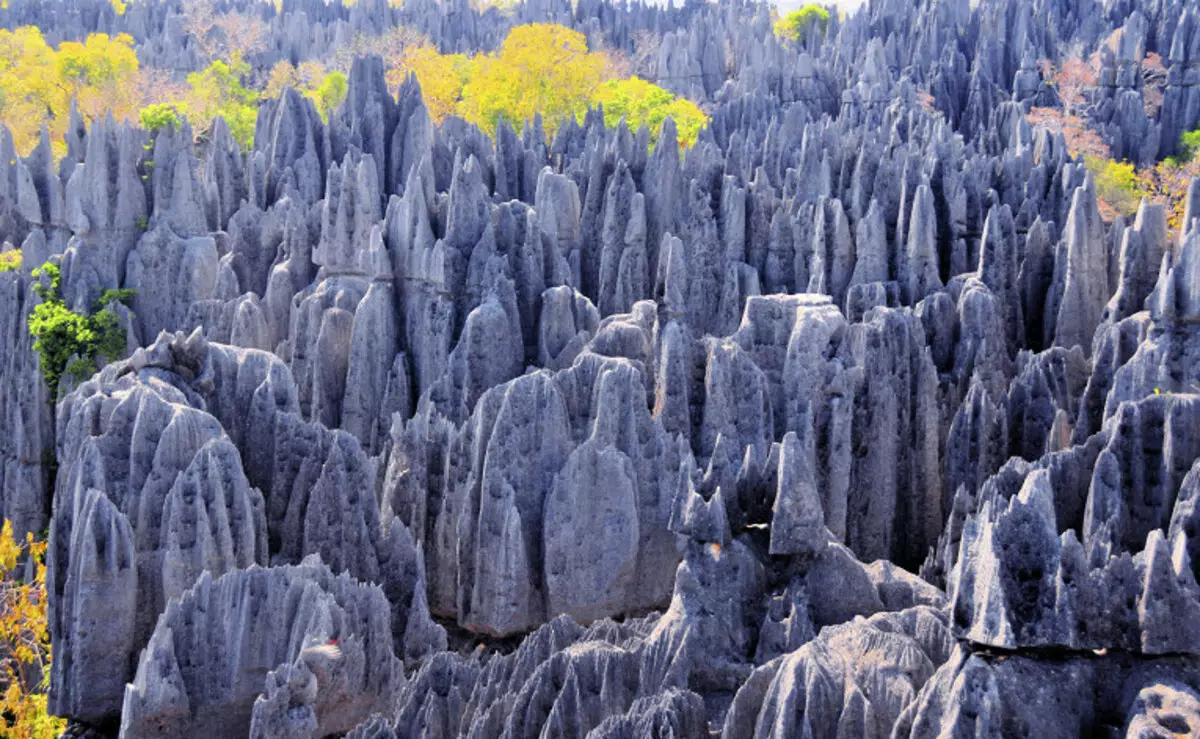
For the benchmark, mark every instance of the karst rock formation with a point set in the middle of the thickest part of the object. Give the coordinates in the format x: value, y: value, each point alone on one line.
x: 854, y: 419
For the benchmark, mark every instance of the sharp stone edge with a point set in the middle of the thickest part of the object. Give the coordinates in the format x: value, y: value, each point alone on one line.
x: 581, y: 437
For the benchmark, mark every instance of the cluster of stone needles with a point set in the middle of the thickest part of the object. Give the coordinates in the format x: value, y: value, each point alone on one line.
x: 856, y: 418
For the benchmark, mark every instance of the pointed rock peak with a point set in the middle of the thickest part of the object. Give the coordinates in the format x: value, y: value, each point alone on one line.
x: 377, y: 261
x: 366, y: 83
x: 668, y: 141
x: 706, y: 521
x: 1037, y: 493
x: 798, y: 524
x: 1191, y: 211
x: 1187, y: 277
x: 674, y: 276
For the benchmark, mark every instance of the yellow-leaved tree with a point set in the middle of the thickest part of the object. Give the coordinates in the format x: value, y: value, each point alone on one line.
x: 100, y: 73
x: 442, y: 77
x: 642, y: 103
x: 24, y: 641
x: 795, y: 25
x: 30, y: 93
x: 37, y: 82
x: 541, y: 68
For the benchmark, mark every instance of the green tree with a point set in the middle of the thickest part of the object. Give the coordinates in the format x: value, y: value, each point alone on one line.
x: 327, y: 89
x: 329, y: 94
x: 795, y: 24
x: 220, y: 90
x: 1189, y: 146
x: 160, y: 115
x: 69, y: 342
x: 642, y: 103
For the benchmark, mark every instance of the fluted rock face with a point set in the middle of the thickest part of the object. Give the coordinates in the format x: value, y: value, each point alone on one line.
x: 24, y: 408
x: 986, y: 696
x: 1032, y: 572
x: 205, y: 662
x: 151, y: 494
x: 581, y: 477
x: 672, y: 713
x: 820, y: 688
x: 870, y: 315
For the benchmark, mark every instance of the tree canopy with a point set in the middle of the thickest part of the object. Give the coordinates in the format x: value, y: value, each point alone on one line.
x: 796, y: 24
x: 540, y: 69
x: 37, y: 82
x: 642, y: 103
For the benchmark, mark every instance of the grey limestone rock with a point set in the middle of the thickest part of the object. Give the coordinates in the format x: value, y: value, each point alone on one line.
x: 797, y: 523
x: 1163, y: 709
x: 213, y: 647
x: 868, y: 314
x: 981, y: 695
x: 1085, y: 287
x: 820, y: 688
x: 151, y: 495
x: 671, y: 714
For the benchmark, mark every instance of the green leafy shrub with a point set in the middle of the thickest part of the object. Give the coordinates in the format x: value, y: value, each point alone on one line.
x: 10, y: 261
x: 1189, y: 146
x: 159, y: 115
x: 61, y: 334
x: 795, y: 24
x: 326, y: 89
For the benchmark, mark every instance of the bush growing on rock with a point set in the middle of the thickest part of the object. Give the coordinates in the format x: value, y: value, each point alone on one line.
x: 326, y: 88
x: 1189, y: 146
x: 220, y: 90
x: 69, y: 342
x: 10, y: 260
x: 1117, y: 184
x: 160, y: 115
